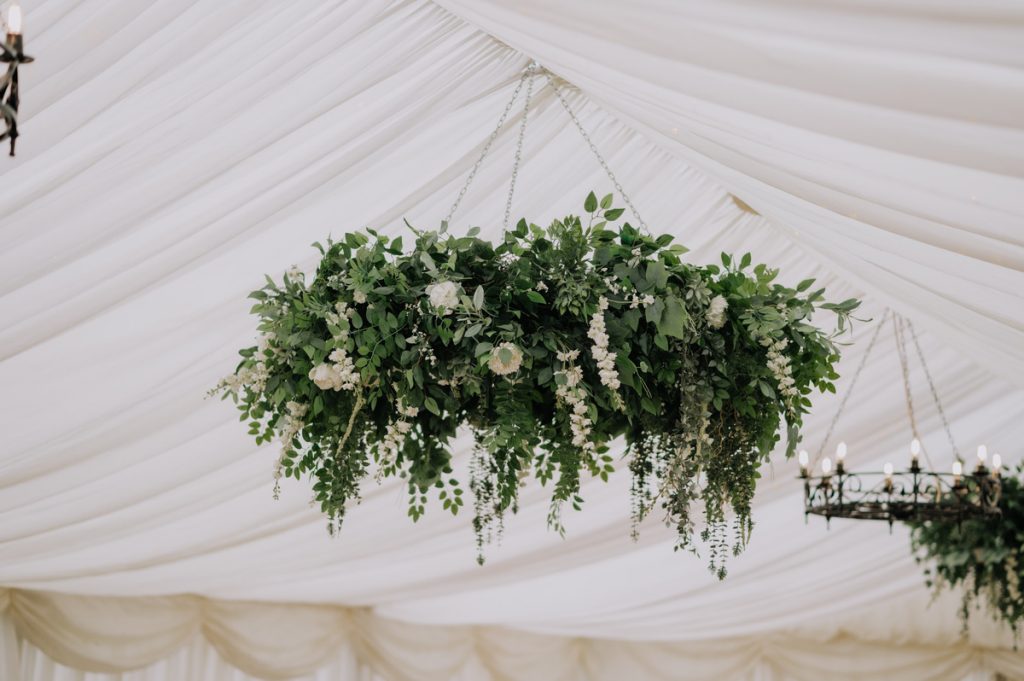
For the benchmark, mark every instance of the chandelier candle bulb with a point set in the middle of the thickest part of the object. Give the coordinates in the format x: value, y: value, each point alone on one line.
x: 840, y: 457
x: 997, y: 463
x: 826, y: 466
x: 14, y: 20
x: 958, y: 469
x: 804, y: 460
x: 982, y: 455
x: 915, y: 450
x: 888, y: 476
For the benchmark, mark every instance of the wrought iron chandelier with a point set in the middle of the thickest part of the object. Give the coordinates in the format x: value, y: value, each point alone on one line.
x: 915, y: 494
x: 13, y: 54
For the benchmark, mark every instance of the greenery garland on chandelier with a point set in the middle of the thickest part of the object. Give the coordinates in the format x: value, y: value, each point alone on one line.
x: 546, y: 346
x: 984, y: 555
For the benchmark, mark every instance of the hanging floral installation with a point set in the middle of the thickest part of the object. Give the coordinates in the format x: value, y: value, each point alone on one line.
x: 546, y: 347
x: 983, y: 556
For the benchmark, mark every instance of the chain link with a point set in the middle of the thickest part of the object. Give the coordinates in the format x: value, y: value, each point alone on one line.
x: 597, y: 154
x: 935, y: 394
x: 527, y: 74
x: 901, y: 351
x: 530, y: 70
x: 849, y: 391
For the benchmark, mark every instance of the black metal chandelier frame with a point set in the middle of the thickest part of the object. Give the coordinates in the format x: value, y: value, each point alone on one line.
x: 12, y: 53
x: 912, y: 495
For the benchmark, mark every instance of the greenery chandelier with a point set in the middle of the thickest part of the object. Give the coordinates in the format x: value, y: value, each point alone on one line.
x: 545, y: 347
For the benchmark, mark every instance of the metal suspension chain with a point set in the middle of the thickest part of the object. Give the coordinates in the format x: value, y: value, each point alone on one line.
x: 849, y: 391
x: 527, y: 74
x: 935, y: 393
x: 597, y: 154
x: 901, y: 348
x: 530, y: 70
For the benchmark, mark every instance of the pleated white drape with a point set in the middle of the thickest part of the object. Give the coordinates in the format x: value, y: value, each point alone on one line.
x: 175, y: 151
x: 167, y: 636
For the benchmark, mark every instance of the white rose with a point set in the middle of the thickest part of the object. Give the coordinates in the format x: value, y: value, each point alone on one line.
x: 716, y: 312
x: 324, y: 376
x: 505, y: 359
x: 444, y: 295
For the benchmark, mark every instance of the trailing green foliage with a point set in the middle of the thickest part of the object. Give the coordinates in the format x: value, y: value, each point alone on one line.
x: 546, y: 346
x: 984, y: 556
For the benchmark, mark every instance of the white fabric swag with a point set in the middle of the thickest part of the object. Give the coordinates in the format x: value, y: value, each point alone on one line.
x: 286, y: 641
x: 174, y: 152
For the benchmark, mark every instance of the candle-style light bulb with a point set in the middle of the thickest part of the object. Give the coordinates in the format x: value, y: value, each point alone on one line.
x: 982, y: 455
x: 804, y: 458
x: 997, y: 463
x: 14, y: 19
x: 958, y: 468
x: 888, y: 470
x: 915, y: 449
x: 826, y: 465
x: 841, y: 452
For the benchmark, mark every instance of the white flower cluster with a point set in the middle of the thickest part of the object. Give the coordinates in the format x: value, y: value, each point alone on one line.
x: 444, y: 296
x: 505, y: 359
x: 291, y: 424
x: 341, y: 311
x: 294, y: 275
x: 645, y: 300
x: 574, y: 397
x: 612, y: 284
x: 779, y: 365
x: 359, y: 296
x: 1012, y: 578
x: 338, y: 374
x: 604, y: 358
x: 715, y: 315
x: 540, y: 287
x: 394, y: 438
x: 252, y: 377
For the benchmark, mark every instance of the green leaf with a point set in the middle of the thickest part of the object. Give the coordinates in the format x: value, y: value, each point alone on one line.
x: 535, y: 297
x: 428, y: 262
x: 478, y: 298
x: 606, y: 202
x: 673, y: 321
x: 431, y: 405
x: 614, y: 214
x: 745, y: 261
x: 590, y: 205
x: 657, y: 275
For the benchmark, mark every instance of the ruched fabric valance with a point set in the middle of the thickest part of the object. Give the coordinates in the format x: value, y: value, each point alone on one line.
x: 279, y: 641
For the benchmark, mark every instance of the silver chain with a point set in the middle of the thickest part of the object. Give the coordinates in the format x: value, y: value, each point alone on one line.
x: 935, y: 394
x: 597, y: 154
x: 528, y: 73
x: 849, y: 391
x: 530, y: 70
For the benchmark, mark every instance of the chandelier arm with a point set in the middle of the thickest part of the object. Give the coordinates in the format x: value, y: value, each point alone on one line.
x: 935, y: 393
x: 849, y: 391
x: 530, y: 70
x: 597, y: 154
x: 487, y: 146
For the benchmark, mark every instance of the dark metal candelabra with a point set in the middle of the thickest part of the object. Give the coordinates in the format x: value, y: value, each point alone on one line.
x: 13, y: 54
x: 912, y: 495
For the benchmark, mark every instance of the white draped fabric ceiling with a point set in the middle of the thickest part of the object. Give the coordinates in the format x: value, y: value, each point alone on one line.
x: 174, y: 152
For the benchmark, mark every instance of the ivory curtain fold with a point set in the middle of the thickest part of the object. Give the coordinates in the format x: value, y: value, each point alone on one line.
x: 277, y: 641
